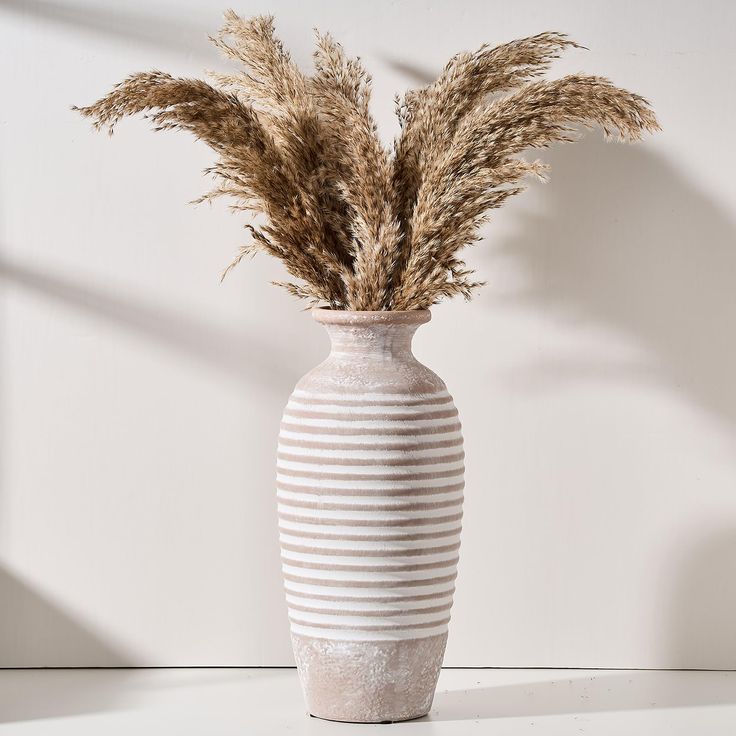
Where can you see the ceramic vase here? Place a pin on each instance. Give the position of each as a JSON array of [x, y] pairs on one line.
[[370, 490]]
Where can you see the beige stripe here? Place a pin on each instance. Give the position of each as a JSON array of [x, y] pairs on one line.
[[317, 475], [368, 583], [411, 552], [411, 536], [425, 491], [371, 417], [389, 462], [423, 521], [384, 431], [370, 568], [372, 446], [408, 506], [373, 599], [352, 627], [400, 401]]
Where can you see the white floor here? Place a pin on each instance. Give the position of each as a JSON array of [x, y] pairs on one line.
[[215, 702]]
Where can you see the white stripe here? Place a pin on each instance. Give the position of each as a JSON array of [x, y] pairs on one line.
[[372, 469], [398, 606], [348, 635], [298, 392], [384, 576], [408, 591], [374, 455], [369, 408], [371, 485], [387, 562], [370, 546], [445, 527], [371, 439], [377, 424], [357, 515], [369, 500]]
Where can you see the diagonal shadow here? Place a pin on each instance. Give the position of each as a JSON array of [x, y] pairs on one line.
[[114, 20], [624, 240], [30, 627], [231, 352], [593, 693], [416, 74]]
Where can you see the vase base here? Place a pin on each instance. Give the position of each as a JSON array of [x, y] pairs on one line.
[[369, 681]]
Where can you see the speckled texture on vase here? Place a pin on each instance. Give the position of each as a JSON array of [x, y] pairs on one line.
[[369, 681], [370, 489]]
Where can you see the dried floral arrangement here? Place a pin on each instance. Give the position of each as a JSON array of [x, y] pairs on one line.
[[358, 225]]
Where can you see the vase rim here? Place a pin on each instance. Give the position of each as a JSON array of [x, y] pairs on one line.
[[326, 315]]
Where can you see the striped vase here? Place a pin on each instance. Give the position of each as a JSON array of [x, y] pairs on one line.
[[370, 490]]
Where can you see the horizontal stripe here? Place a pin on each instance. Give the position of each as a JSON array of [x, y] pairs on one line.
[[369, 445], [370, 471], [447, 470], [451, 494], [302, 395], [338, 418], [360, 579], [370, 438], [368, 518], [353, 563], [399, 593], [398, 429], [372, 582], [367, 488], [340, 635], [369, 549], [369, 503], [353, 459], [382, 423], [366, 515], [340, 557], [313, 529], [330, 559], [357, 407], [367, 607]]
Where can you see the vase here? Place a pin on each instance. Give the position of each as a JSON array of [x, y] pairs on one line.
[[370, 490]]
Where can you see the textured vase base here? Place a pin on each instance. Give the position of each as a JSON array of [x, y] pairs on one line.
[[369, 681]]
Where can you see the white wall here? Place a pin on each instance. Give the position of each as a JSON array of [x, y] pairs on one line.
[[140, 399]]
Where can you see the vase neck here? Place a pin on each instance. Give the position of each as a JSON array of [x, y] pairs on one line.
[[381, 342], [371, 335]]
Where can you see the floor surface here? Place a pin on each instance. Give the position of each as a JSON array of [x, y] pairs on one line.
[[230, 701]]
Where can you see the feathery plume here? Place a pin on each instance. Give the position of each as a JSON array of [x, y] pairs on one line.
[[359, 227]]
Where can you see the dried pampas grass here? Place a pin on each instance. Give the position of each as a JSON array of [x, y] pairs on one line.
[[359, 226]]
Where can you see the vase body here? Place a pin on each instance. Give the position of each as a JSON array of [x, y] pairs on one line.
[[369, 488]]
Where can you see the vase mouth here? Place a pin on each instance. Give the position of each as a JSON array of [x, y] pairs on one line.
[[328, 316]]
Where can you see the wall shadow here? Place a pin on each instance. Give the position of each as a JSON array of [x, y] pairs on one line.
[[417, 75], [168, 31], [239, 355], [258, 366], [702, 615], [25, 610], [625, 241], [592, 693]]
